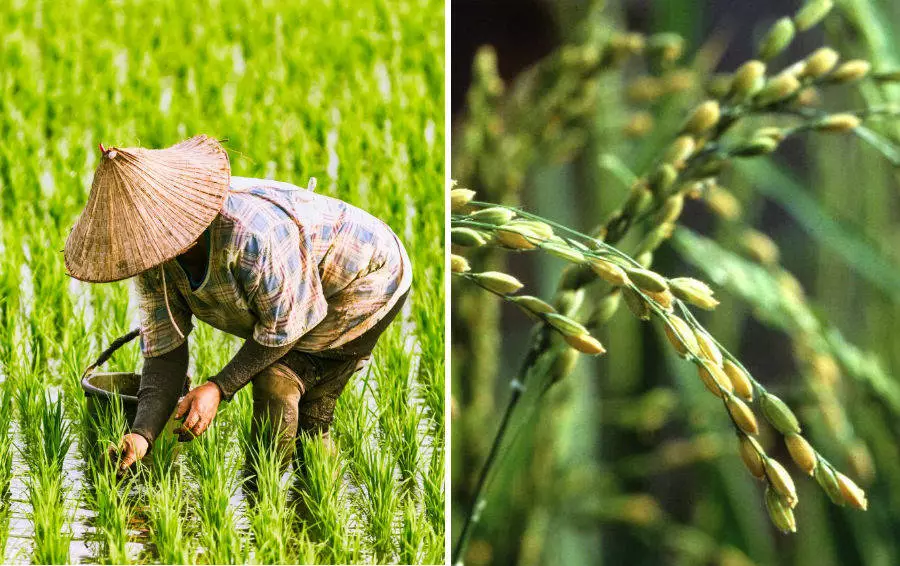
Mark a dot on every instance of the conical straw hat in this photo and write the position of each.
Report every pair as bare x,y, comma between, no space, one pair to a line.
146,206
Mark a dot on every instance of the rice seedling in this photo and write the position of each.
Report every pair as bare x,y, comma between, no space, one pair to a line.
108,493
217,480
678,146
268,506
46,446
167,512
412,535
6,448
368,125
374,471
321,489
433,491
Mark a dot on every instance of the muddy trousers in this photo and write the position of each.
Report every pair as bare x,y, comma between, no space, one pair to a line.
297,394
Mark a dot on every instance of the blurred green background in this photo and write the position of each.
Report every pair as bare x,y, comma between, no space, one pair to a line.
629,461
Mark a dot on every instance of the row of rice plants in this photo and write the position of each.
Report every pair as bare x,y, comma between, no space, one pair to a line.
47,439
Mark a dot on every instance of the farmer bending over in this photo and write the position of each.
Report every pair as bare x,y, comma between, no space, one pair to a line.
308,281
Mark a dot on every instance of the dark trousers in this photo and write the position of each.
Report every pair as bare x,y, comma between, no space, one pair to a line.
298,393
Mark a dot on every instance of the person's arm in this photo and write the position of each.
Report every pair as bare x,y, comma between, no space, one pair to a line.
200,405
162,382
251,359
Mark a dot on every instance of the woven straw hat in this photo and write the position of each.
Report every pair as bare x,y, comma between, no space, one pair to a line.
146,206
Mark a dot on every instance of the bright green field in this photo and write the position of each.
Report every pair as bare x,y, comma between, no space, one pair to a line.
348,92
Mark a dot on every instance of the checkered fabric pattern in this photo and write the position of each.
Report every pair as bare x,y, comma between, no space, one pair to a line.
285,264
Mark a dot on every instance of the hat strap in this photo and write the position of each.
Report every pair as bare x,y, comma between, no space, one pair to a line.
162,273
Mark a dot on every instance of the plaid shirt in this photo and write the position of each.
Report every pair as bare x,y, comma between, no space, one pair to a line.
285,264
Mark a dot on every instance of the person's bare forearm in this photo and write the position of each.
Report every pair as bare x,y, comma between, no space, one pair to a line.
162,383
249,360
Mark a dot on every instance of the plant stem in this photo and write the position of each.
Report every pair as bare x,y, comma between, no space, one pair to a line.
478,502
474,513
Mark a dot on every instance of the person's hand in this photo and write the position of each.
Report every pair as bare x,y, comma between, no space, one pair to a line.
198,408
131,448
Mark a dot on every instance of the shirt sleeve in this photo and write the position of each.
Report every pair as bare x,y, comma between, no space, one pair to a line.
158,335
283,286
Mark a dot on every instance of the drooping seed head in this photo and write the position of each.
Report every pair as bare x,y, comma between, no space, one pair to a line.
664,299
681,336
850,71
585,343
741,414
667,46
760,247
568,301
852,493
743,387
680,150
820,62
748,80
564,252
860,460
565,325
646,279
719,85
541,229
777,39
644,89
777,89
636,304
606,308
837,123
459,264
459,198
750,451
516,237
773,132
809,96
708,348
715,381
679,80
639,200
671,209
656,236
779,415
498,282
780,512
639,124
662,178
827,480
466,237
533,304
755,146
703,118
812,13
694,292
801,452
496,215
781,481
609,272
722,202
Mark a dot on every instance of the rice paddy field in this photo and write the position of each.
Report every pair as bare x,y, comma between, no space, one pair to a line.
348,92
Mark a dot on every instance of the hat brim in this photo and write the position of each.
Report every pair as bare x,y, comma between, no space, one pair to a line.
146,206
